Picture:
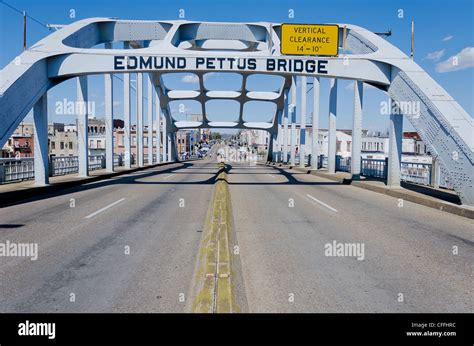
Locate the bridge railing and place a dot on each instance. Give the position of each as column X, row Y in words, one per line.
column 374, row 168
column 145, row 158
column 419, row 173
column 16, row 169
column 62, row 165
column 307, row 159
column 13, row 169
column 343, row 164
column 118, row 160
column 96, row 162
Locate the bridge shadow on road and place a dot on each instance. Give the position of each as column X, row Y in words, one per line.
column 61, row 189
column 290, row 179
column 185, row 168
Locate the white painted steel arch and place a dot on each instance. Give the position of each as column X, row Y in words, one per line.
column 443, row 124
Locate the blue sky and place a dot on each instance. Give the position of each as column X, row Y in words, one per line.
column 443, row 29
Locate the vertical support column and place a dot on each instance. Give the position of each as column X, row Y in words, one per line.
column 83, row 127
column 109, row 119
column 435, row 172
column 395, row 149
column 332, row 126
column 303, row 122
column 165, row 141
column 150, row 119
column 357, row 130
column 293, row 121
column 285, row 128
column 41, row 163
column 270, row 147
column 170, row 146
column 158, row 125
column 174, row 146
column 315, row 132
column 279, row 142
column 127, row 115
column 140, row 119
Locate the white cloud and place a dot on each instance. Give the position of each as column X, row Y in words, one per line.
column 190, row 78
column 463, row 60
column 448, row 38
column 436, row 55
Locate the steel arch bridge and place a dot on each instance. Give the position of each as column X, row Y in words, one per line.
column 155, row 48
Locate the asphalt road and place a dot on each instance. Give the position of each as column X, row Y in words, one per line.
column 84, row 250
column 407, row 250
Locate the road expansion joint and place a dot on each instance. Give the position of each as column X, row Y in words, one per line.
column 216, row 278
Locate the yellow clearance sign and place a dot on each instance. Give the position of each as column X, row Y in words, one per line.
column 309, row 39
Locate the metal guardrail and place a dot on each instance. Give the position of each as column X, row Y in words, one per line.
column 307, row 159
column 343, row 164
column 145, row 158
column 96, row 162
column 322, row 161
column 118, row 161
column 62, row 165
column 16, row 169
column 374, row 168
column 12, row 169
column 419, row 173
column 23, row 169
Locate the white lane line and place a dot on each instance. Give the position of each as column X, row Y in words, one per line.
column 168, row 176
column 104, row 208
column 322, row 203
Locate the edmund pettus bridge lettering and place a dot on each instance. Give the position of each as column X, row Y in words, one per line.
column 122, row 62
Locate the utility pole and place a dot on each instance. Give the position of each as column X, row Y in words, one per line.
column 412, row 39
column 24, row 30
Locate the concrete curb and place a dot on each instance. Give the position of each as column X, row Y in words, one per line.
column 18, row 196
column 397, row 193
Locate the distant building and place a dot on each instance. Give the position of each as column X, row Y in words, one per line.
column 182, row 139
column 21, row 142
column 96, row 136
column 70, row 128
column 63, row 143
column 343, row 140
column 205, row 135
column 374, row 144
column 119, row 140
column 374, row 147
column 20, row 146
column 413, row 145
column 62, row 139
column 192, row 139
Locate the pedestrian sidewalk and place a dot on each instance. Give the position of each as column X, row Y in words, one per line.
column 440, row 199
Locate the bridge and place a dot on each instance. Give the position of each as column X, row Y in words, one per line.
column 266, row 214
column 158, row 47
